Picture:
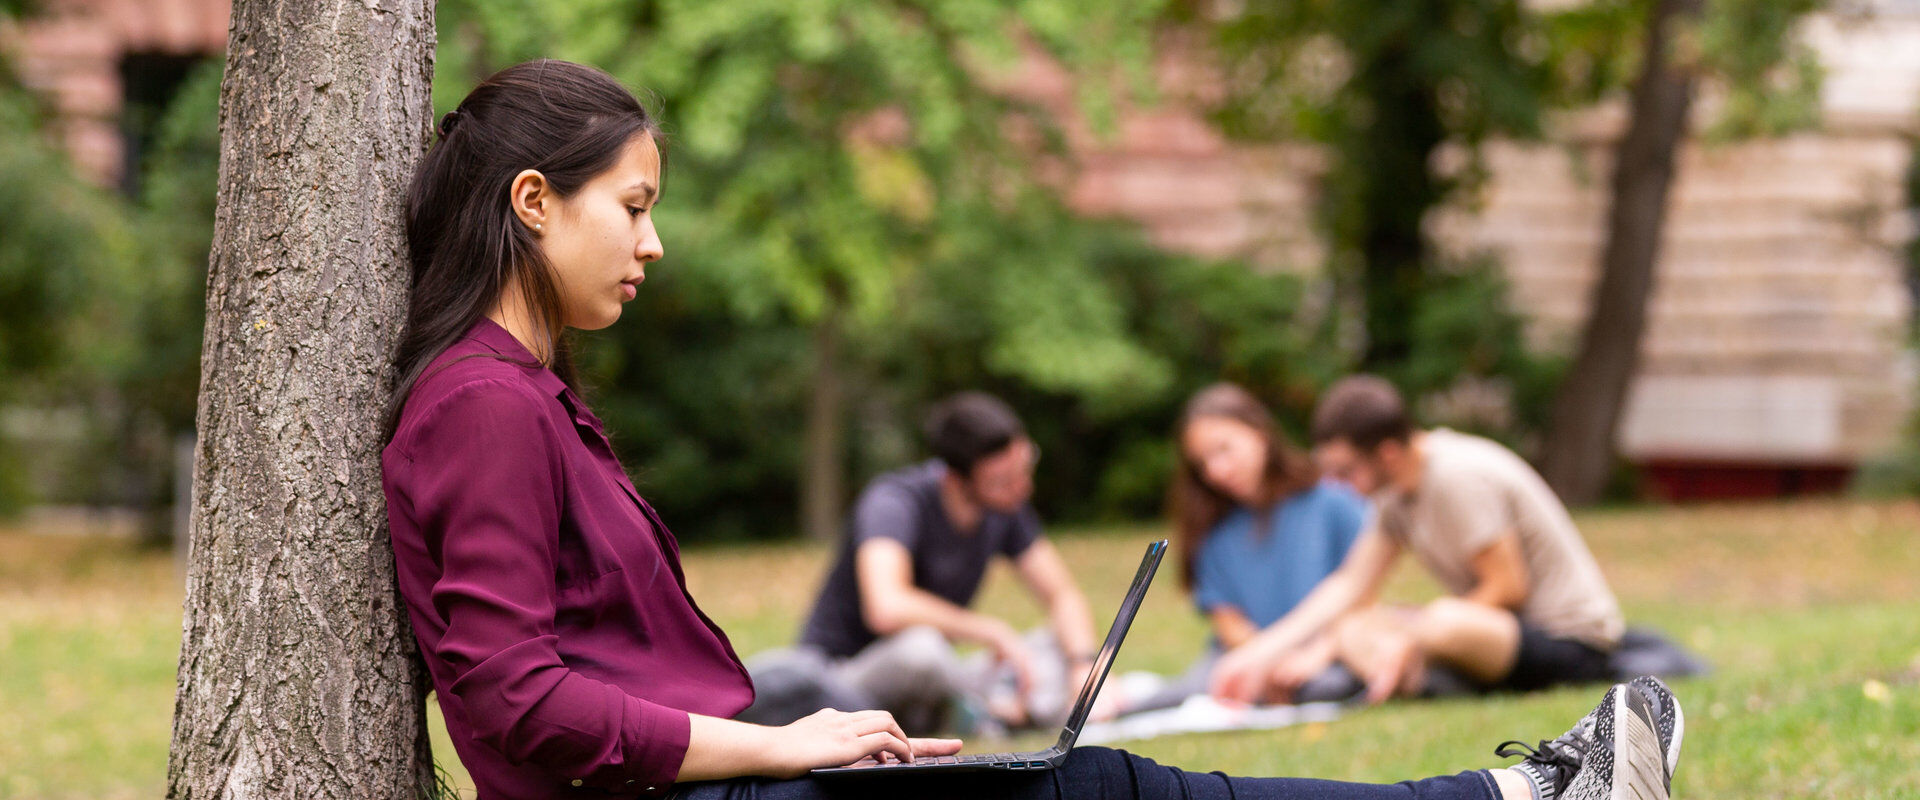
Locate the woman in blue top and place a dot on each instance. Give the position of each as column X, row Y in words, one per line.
column 1257, row 530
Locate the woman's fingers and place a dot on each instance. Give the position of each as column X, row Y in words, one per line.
column 879, row 743
column 867, row 722
column 879, row 737
column 935, row 747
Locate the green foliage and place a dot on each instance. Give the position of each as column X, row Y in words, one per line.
column 1466, row 340
column 849, row 168
column 1189, row 323
column 707, row 403
column 1385, row 85
column 1771, row 78
column 103, row 298
column 1320, row 69
column 1746, row 49
column 848, row 165
column 66, row 242
column 175, row 222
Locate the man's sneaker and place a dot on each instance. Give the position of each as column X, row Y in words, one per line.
column 1625, row 749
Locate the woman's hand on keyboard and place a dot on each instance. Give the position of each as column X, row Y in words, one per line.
column 829, row 738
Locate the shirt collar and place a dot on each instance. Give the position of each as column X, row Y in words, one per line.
column 493, row 337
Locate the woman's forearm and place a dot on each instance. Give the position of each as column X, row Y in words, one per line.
column 723, row 748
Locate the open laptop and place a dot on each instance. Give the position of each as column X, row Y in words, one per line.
column 1055, row 755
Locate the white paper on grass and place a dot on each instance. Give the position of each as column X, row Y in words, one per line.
column 1203, row 714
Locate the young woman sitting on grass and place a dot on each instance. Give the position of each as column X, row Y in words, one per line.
column 1257, row 529
column 547, row 595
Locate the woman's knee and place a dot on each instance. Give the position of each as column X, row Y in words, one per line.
column 1102, row 773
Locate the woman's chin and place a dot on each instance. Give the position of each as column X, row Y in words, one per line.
column 602, row 320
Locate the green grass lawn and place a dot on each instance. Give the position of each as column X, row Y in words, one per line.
column 1809, row 611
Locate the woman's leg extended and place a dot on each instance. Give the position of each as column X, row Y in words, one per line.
column 1096, row 773
column 1628, row 744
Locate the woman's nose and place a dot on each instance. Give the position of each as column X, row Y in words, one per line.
column 648, row 248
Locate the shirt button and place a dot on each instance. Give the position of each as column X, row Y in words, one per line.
column 577, row 781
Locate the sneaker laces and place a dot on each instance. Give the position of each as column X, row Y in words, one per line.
column 1554, row 761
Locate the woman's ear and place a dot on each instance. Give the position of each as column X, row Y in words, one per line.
column 530, row 196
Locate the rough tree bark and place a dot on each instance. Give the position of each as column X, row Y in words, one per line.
column 298, row 676
column 1579, row 450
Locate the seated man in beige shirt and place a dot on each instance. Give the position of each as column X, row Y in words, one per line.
column 1527, row 607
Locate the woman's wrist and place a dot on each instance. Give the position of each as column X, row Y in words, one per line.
column 722, row 748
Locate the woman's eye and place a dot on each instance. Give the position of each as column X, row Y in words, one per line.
column 635, row 211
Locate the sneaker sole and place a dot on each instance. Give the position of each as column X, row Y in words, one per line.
column 1639, row 763
column 1679, row 732
column 1679, row 726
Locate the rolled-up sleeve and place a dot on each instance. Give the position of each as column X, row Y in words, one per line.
column 491, row 517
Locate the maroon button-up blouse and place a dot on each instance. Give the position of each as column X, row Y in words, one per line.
column 546, row 595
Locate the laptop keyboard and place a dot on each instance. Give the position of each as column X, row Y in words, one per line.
column 979, row 758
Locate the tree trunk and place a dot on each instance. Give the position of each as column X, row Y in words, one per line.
column 824, row 467
column 1579, row 448
column 1398, row 190
column 298, row 672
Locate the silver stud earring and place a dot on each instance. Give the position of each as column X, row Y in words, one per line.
column 536, row 226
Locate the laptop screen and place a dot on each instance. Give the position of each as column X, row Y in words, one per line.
column 1104, row 661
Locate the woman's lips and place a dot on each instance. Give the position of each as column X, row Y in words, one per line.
column 630, row 289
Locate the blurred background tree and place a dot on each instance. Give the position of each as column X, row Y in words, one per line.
column 1770, row 85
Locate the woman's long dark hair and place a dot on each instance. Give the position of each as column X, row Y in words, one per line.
column 464, row 242
column 1196, row 506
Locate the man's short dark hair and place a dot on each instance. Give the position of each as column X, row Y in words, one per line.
column 969, row 426
column 1365, row 410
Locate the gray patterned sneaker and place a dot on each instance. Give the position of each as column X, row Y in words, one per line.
column 1669, row 723
column 1625, row 749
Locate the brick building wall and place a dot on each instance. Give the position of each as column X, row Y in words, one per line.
column 76, row 53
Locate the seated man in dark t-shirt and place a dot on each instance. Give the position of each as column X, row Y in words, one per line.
column 917, row 547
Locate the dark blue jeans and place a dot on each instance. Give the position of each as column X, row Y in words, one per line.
column 1089, row 773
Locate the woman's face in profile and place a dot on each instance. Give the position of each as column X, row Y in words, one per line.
column 600, row 239
column 1230, row 455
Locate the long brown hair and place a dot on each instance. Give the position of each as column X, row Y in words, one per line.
column 1196, row 506
column 465, row 246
